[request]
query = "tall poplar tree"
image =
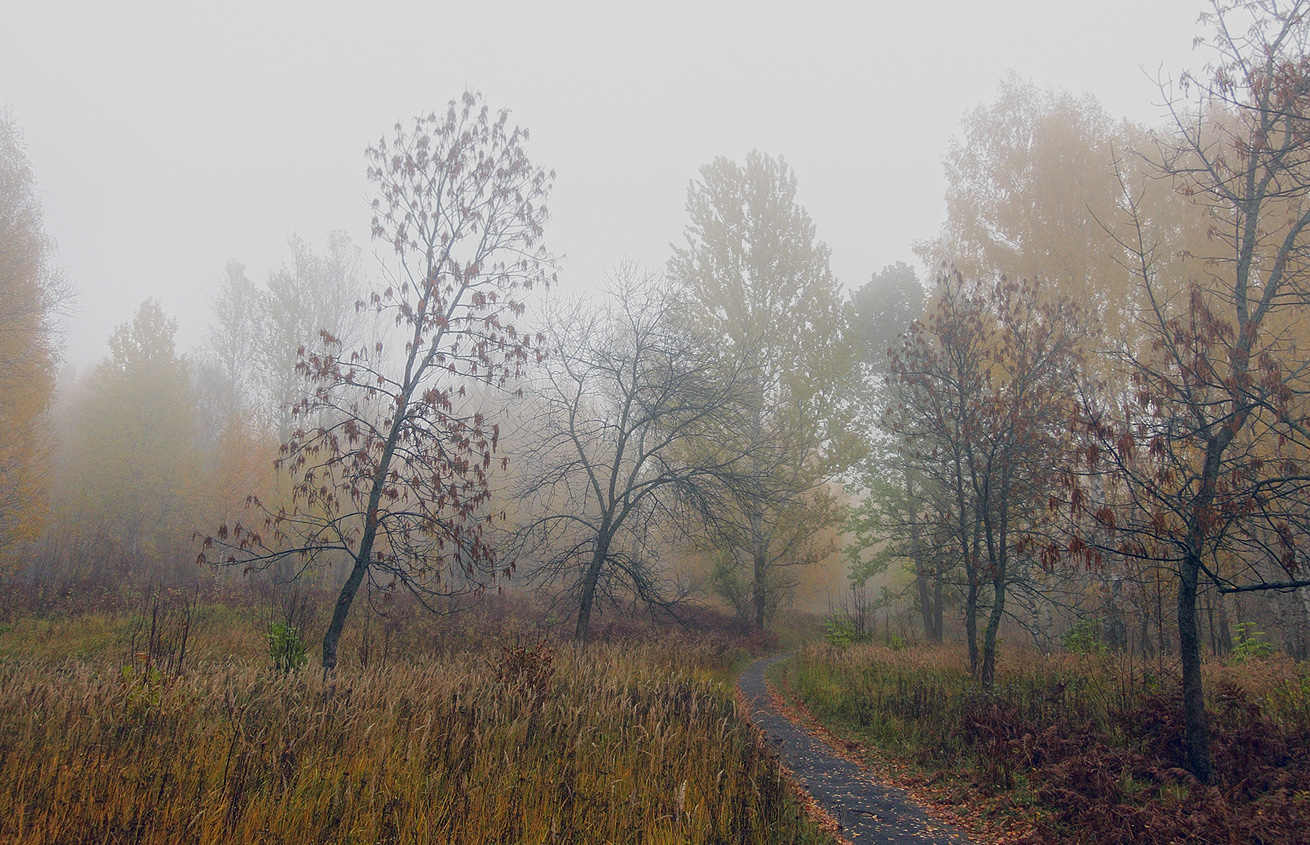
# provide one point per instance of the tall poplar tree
(756, 281)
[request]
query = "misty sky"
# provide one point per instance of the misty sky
(171, 137)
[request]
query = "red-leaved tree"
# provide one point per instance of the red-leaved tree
(391, 464)
(1202, 466)
(981, 395)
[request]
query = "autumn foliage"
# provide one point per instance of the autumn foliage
(391, 461)
(30, 291)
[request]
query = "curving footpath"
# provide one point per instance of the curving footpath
(866, 811)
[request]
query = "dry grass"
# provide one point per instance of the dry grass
(627, 742)
(1080, 748)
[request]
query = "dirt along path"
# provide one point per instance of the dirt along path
(865, 810)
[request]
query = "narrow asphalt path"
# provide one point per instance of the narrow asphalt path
(867, 811)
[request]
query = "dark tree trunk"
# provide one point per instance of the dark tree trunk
(1163, 642)
(925, 600)
(971, 602)
(1144, 637)
(1196, 728)
(968, 559)
(760, 591)
(971, 621)
(1225, 631)
(364, 556)
(988, 671)
(1116, 630)
(588, 597)
(998, 559)
(342, 609)
(929, 604)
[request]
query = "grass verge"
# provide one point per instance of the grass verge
(1075, 749)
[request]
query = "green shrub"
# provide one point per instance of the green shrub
(1084, 637)
(839, 632)
(1250, 644)
(286, 648)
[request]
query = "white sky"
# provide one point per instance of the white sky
(171, 137)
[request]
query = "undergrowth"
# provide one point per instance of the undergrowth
(1083, 748)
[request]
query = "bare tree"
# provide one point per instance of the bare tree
(394, 474)
(632, 415)
(261, 330)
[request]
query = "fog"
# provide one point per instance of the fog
(168, 139)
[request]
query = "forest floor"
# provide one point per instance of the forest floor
(861, 808)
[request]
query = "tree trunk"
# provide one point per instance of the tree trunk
(1163, 642)
(1205, 615)
(759, 591)
(968, 559)
(971, 622)
(925, 599)
(1144, 637)
(998, 538)
(938, 627)
(971, 606)
(1304, 625)
(926, 606)
(1196, 728)
(1285, 612)
(759, 569)
(364, 555)
(339, 613)
(1225, 630)
(1116, 633)
(588, 598)
(988, 672)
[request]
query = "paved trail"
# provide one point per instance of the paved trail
(866, 811)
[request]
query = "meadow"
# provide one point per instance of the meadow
(1075, 747)
(190, 720)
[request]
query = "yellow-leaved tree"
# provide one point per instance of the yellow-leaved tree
(30, 291)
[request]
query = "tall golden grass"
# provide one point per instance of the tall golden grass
(625, 742)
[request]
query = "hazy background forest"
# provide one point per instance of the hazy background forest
(168, 435)
(1070, 421)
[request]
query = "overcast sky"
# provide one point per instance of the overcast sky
(169, 138)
